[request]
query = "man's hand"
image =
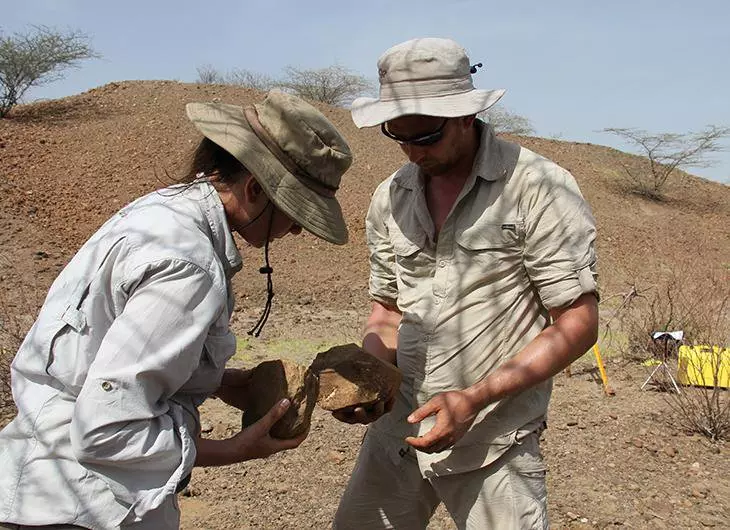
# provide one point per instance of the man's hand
(455, 412)
(233, 387)
(252, 442)
(365, 414)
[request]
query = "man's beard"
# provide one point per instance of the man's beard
(432, 168)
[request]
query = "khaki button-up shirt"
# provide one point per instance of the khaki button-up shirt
(518, 242)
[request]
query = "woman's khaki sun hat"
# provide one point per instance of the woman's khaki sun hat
(427, 76)
(291, 149)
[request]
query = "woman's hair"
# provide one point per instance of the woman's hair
(209, 158)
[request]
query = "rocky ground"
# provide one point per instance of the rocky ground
(614, 462)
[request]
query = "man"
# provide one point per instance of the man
(482, 276)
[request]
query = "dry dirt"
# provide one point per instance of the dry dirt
(67, 165)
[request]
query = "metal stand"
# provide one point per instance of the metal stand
(662, 366)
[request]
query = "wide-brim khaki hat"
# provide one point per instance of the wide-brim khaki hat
(291, 149)
(428, 76)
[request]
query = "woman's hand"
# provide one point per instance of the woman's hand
(252, 442)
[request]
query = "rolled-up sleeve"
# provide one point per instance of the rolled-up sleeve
(123, 417)
(383, 282)
(560, 234)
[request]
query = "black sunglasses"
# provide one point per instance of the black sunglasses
(426, 139)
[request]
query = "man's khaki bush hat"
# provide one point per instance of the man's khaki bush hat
(291, 149)
(423, 76)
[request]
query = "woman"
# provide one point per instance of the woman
(133, 335)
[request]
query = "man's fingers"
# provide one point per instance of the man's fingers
(428, 409)
(431, 442)
(360, 414)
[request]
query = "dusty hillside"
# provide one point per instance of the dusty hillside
(67, 165)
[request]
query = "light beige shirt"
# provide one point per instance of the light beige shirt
(131, 339)
(518, 242)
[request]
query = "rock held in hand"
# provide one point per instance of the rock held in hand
(350, 376)
(272, 381)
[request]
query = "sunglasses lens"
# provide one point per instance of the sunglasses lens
(426, 139)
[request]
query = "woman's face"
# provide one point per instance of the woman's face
(250, 212)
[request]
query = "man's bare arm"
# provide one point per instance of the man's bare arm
(573, 331)
(380, 336)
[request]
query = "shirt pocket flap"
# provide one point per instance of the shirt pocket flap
(407, 246)
(489, 236)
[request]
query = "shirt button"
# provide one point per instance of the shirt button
(442, 263)
(438, 301)
(106, 386)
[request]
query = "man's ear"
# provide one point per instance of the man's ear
(469, 120)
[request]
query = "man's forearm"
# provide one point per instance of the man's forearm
(380, 336)
(572, 334)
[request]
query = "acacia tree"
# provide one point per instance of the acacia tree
(334, 85)
(667, 152)
(37, 57)
(506, 121)
(207, 74)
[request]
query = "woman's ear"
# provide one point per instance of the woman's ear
(253, 190)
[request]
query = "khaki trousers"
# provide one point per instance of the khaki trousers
(508, 494)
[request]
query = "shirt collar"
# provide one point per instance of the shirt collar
(223, 242)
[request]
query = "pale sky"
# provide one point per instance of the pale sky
(572, 67)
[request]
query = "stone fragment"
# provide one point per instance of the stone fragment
(350, 376)
(272, 381)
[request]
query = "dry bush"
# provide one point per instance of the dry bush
(700, 307)
(666, 153)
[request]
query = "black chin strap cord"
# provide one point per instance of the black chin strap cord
(256, 330)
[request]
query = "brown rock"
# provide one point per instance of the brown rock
(272, 381)
(349, 376)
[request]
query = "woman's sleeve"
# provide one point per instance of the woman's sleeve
(122, 416)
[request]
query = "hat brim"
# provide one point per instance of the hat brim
(368, 112)
(227, 126)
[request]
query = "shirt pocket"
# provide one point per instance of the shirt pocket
(412, 260)
(493, 244)
(64, 347)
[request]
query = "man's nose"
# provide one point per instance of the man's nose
(415, 153)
